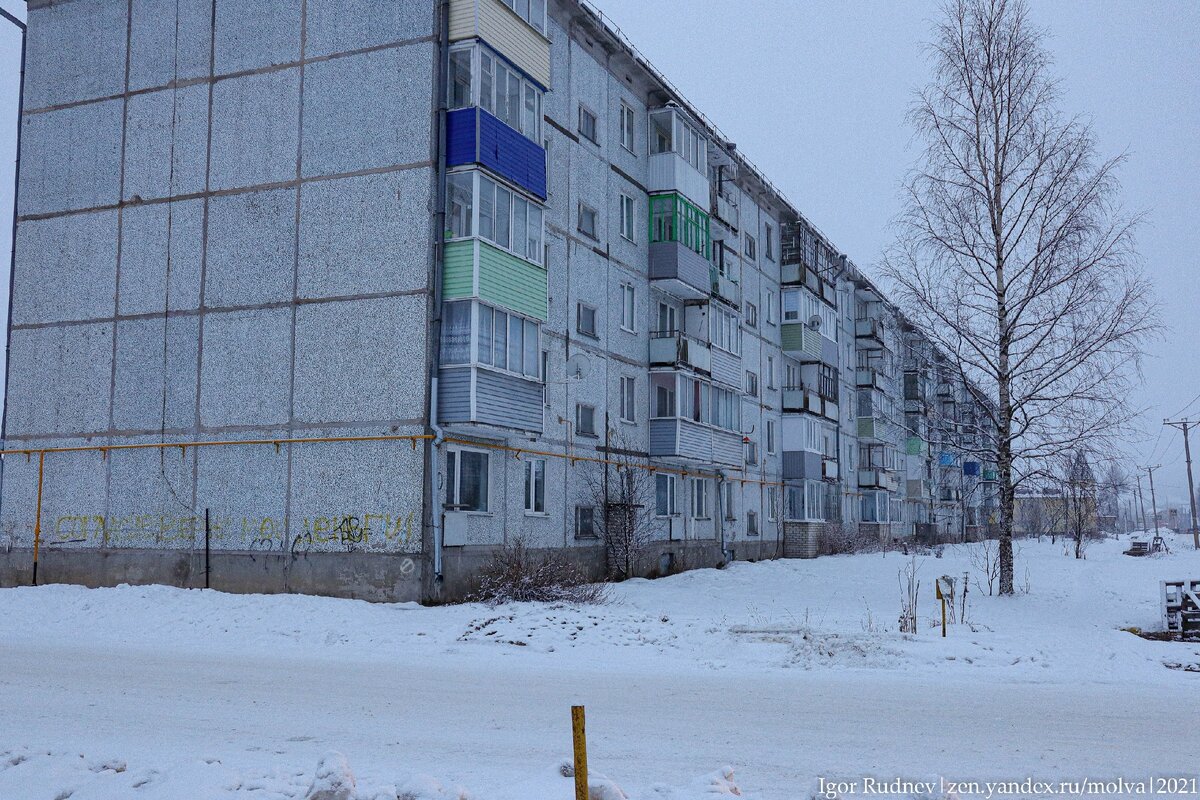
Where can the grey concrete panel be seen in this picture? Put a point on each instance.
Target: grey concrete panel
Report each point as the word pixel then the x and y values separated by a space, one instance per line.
pixel 166 143
pixel 59 379
pixel 75 51
pixel 361 360
pixel 145 267
pixel 369 110
pixel 150 499
pixel 255 35
pixel 165 47
pixel 139 402
pixel 335 26
pixel 245 368
pixel 245 489
pixel 364 235
pixel 255 129
pixel 73 486
pixel 251 248
pixel 66 268
pixel 356 496
pixel 71 158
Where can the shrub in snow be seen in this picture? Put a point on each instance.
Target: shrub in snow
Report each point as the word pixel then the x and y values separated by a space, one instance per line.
pixel 515 573
pixel 333 781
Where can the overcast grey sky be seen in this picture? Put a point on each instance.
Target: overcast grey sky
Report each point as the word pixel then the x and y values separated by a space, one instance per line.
pixel 815 92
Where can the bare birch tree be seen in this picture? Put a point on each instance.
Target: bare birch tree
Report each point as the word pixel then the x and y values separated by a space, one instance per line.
pixel 1012 249
pixel 621 490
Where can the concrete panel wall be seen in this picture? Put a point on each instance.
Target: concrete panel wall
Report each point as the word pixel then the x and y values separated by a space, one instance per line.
pixel 224 235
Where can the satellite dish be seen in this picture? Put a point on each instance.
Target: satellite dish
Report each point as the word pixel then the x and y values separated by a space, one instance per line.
pixel 814 322
pixel 578 366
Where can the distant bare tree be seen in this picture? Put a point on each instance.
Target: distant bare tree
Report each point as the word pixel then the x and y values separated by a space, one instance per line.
pixel 622 492
pixel 1114 483
pixel 1012 250
pixel 1078 486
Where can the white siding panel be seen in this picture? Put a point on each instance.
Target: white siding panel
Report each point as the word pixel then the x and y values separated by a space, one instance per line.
pixel 514 39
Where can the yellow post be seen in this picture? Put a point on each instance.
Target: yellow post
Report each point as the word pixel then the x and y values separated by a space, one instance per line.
pixel 580 741
pixel 943 616
pixel 37 523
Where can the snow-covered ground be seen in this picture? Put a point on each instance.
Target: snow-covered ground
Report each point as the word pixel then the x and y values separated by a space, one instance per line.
pixel 754 681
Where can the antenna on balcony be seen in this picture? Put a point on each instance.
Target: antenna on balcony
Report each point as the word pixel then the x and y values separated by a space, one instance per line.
pixel 814 322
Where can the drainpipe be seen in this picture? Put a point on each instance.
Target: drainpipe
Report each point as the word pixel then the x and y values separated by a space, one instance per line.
pixel 439 219
pixel 721 513
pixel 12 264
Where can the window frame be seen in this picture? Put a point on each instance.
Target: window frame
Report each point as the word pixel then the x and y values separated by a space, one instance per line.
pixel 628 307
pixel 579 409
pixel 628 399
pixel 584 113
pixel 580 307
pixel 500 66
pixel 699 504
pixel 750 315
pixel 474 230
pixel 454 473
pixel 512 6
pixel 628 125
pixel 583 209
pixel 750 247
pixel 591 534
pixel 672 496
pixel 628 206
pixel 532 500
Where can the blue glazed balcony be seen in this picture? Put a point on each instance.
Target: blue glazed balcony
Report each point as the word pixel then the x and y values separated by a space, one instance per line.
pixel 473 136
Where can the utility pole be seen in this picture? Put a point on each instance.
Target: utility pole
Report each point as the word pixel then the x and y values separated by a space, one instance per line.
pixel 1153 500
pixel 1185 425
pixel 1142 500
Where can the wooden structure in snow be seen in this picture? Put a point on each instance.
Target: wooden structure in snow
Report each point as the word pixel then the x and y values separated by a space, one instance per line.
pixel 1181 606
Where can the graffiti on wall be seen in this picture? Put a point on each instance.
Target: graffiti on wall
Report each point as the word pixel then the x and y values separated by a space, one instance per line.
pixel 379 532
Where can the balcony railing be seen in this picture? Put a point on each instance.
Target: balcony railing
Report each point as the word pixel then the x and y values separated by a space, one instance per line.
pixel 725 287
pixel 673 348
pixel 869 332
pixel 867 377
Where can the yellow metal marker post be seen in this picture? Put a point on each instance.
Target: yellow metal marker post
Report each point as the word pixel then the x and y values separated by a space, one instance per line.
pixel 579 738
pixel 942 596
pixel 37 523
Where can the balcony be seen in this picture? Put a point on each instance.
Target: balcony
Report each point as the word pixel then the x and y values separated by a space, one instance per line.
pixel 869 333
pixel 474 136
pixel 872 479
pixel 725 288
pixel 802 399
pixel 474 268
pixel 829 469
pixel 867 378
pixel 680 271
pixel 686 440
pixel 494 22
pixel 875 429
pixel 725 210
pixel 675 349
pixel 474 394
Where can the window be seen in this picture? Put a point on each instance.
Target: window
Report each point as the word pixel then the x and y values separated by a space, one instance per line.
pixel 456 333
pixel 628 216
pixel 771 307
pixel 587 124
pixel 477 205
pixel 628 127
pixel 585 320
pixel 770 372
pixel 664 400
pixel 478 77
pixel 587 221
pixel 772 503
pixel 466 480
pixel 628 399
pixel 751 452
pixel 668 318
pixel 671 134
pixel 751 383
pixel 532 11
pixel 675 219
pixel 496 338
pixel 751 314
pixel 769 242
pixel 535 486
pixel 726 409
pixel 664 495
pixel 628 304
pixel 752 523
pixel 727 501
pixel 585 420
pixel 750 247
pixel 726 332
pixel 771 437
pixel 585 522
pixel 699 498
pixel 791 306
